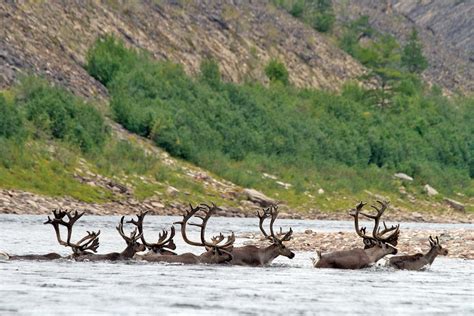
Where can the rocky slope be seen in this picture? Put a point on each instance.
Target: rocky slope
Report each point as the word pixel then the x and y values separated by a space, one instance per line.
pixel 51 38
pixel 446 29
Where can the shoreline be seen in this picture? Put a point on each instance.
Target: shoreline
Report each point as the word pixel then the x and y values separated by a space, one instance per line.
pixel 26 203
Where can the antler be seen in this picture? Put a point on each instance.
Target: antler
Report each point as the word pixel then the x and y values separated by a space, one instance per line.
pixel 272 212
pixel 88 242
pixel 215 240
pixel 392 238
pixel 184 222
pixel 368 241
pixel 163 240
pixel 377 234
pixel 433 242
pixel 134 235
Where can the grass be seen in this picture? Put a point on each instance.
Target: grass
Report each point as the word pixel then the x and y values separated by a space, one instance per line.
pixel 49 173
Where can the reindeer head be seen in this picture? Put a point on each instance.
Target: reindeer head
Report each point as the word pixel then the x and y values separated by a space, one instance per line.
pixel 272 212
pixel 435 244
pixel 132 241
pixel 379 237
pixel 165 243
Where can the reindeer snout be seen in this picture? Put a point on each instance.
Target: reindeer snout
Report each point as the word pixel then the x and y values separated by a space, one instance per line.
pixel 292 255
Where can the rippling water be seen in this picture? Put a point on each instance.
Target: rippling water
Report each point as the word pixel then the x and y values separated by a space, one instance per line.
pixel 287 287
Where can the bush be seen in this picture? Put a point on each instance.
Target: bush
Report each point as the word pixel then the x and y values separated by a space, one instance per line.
pixel 276 72
pixel 11 123
pixel 107 57
pixel 56 113
pixel 317 13
pixel 210 72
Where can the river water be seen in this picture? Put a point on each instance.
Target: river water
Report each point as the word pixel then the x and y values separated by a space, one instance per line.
pixel 290 287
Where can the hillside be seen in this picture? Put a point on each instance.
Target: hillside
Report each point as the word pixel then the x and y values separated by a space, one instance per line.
pixel 52 38
pixel 446 29
pixel 190 88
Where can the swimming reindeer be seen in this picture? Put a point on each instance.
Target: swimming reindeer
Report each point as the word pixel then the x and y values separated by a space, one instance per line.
pixel 165 244
pixel 85 249
pixel 255 256
pixel 376 246
pixel 419 261
pixel 217 250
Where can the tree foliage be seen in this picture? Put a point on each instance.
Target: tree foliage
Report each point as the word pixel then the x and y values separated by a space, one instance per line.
pixel 276 72
pixel 281 126
pixel 317 13
pixel 44 110
pixel 412 54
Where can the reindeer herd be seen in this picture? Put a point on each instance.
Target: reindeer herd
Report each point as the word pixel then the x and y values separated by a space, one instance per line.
pixel 220 249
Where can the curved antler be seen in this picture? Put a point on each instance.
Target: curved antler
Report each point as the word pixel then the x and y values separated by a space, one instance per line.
pixel 368 241
pixel 134 235
pixel 88 242
pixel 215 240
pixel 163 240
pixel 272 212
pixel 377 234
pixel 184 222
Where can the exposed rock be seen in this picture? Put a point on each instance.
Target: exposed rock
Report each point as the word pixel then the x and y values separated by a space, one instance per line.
pixel 258 198
pixel 269 176
pixel 51 38
pixel 403 176
pixel 402 190
pixel 172 191
pixel 428 189
pixel 284 184
pixel 157 204
pixel 455 204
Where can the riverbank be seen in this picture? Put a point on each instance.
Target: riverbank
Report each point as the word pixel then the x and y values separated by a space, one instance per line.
pixel 22 203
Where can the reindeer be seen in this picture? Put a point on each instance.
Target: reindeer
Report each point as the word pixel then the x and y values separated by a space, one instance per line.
pixel 85 249
pixel 164 246
pixel 47 257
pixel 216 251
pixel 419 261
pixel 375 247
pixel 254 256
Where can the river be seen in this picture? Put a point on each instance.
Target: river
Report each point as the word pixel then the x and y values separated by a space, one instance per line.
pixel 291 287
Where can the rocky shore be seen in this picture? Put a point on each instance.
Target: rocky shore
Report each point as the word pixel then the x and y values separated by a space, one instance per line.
pixel 20 202
pixel 459 242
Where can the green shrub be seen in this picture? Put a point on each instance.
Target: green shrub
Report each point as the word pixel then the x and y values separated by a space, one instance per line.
pixel 107 57
pixel 318 14
pixel 11 123
pixel 276 71
pixel 210 72
pixel 56 113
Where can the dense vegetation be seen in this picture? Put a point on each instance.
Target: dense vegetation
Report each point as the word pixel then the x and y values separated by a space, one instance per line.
pixel 47 136
pixel 317 13
pixel 34 116
pixel 309 138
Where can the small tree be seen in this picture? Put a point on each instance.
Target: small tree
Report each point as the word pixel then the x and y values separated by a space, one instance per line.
pixel 321 15
pixel 412 56
pixel 276 71
pixel 210 72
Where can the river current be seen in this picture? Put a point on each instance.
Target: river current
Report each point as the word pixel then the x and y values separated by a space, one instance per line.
pixel 287 287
